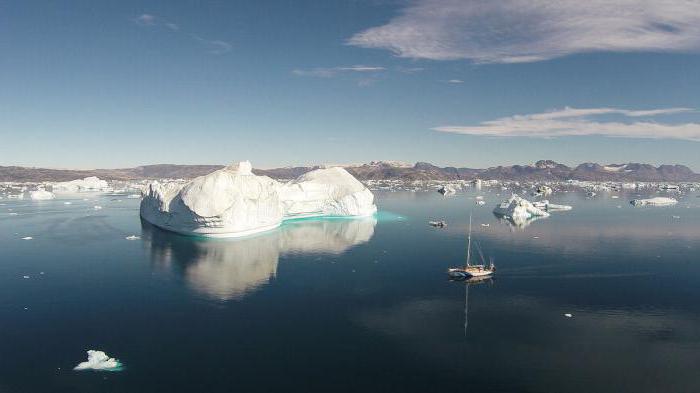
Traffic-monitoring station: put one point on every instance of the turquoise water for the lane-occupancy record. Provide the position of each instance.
(364, 305)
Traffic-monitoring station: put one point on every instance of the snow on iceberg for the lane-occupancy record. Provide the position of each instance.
(326, 192)
(517, 208)
(91, 183)
(98, 360)
(41, 195)
(657, 201)
(234, 202)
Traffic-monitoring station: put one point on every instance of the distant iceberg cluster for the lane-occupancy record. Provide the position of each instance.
(234, 202)
(87, 184)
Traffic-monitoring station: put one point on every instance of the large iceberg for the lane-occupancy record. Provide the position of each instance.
(87, 184)
(234, 202)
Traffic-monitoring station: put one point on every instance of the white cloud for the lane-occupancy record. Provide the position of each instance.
(145, 20)
(518, 31)
(457, 81)
(322, 72)
(574, 122)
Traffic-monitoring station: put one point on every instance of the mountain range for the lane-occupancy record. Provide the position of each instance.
(543, 170)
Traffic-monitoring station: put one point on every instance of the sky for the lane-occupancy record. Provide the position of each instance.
(97, 84)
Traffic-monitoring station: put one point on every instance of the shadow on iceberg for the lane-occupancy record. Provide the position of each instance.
(230, 269)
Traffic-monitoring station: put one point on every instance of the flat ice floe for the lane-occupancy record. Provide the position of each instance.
(656, 201)
(234, 202)
(98, 360)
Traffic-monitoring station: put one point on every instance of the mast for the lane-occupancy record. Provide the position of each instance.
(469, 239)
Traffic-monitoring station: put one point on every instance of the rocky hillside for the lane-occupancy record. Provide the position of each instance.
(380, 170)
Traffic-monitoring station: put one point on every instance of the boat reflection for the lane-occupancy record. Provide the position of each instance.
(467, 283)
(229, 269)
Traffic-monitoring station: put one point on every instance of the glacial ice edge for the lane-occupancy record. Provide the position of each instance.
(234, 202)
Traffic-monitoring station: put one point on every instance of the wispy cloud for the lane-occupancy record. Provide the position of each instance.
(518, 31)
(455, 81)
(575, 122)
(323, 72)
(215, 47)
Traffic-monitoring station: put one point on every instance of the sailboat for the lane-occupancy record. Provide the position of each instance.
(469, 270)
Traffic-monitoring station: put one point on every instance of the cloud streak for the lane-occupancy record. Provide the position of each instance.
(214, 47)
(323, 72)
(520, 31)
(578, 122)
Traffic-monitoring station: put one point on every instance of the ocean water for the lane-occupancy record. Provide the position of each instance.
(345, 305)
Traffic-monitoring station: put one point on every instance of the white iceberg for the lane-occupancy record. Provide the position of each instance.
(519, 208)
(87, 184)
(98, 360)
(234, 202)
(41, 195)
(657, 201)
(546, 205)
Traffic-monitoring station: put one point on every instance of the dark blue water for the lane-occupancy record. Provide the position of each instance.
(354, 305)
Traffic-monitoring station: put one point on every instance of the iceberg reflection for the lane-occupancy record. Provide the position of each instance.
(229, 269)
(518, 222)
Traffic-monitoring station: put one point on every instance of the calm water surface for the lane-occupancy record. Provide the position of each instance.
(353, 305)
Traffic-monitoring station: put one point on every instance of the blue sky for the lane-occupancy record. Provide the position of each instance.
(86, 84)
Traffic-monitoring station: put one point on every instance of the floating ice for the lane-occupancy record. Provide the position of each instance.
(657, 201)
(133, 237)
(87, 184)
(517, 207)
(41, 195)
(27, 238)
(98, 360)
(67, 203)
(568, 315)
(97, 207)
(234, 202)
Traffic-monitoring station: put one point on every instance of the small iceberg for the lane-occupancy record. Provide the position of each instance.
(98, 360)
(517, 208)
(41, 195)
(437, 224)
(657, 201)
(446, 190)
(133, 237)
(546, 205)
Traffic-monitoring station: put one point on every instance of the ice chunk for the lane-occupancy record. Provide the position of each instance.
(27, 238)
(568, 315)
(517, 207)
(234, 202)
(97, 207)
(41, 195)
(657, 201)
(98, 360)
(133, 237)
